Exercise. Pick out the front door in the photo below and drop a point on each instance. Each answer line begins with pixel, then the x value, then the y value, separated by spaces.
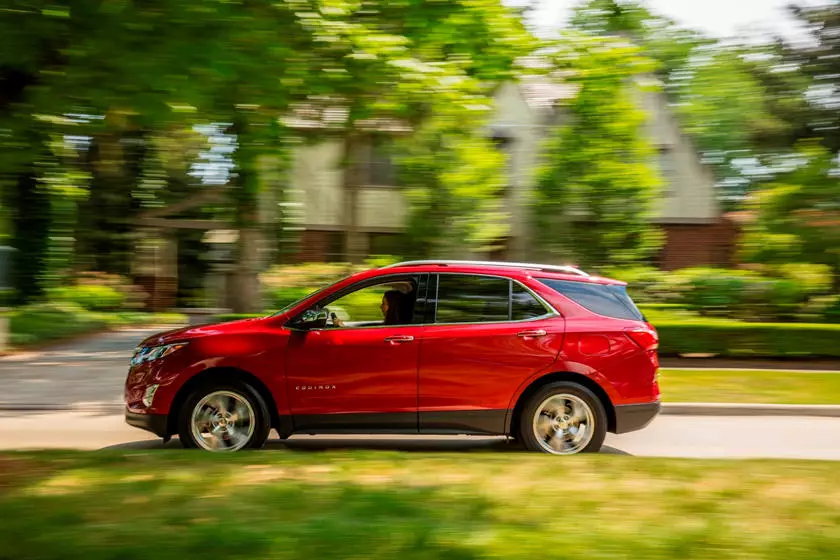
pixel 358 374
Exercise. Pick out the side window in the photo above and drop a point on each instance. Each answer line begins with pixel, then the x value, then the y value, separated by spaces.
pixel 607 300
pixel 387 303
pixel 523 305
pixel 472 299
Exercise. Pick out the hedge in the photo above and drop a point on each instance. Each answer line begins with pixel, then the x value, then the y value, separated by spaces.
pixel 749 340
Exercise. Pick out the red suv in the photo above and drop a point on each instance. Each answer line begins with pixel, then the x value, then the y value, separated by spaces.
pixel 547 355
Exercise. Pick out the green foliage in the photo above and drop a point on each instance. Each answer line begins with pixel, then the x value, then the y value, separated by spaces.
pixel 44 322
pixel 825 309
pixel 723 106
pixel 644 283
pixel 278 298
pixel 90 297
pixel 52 321
pixel 798 218
pixel 454 180
pixel 734 293
pixel 755 340
pixel 596 192
pixel 814 279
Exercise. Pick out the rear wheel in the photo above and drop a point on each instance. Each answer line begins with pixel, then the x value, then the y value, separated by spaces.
pixel 563 418
pixel 223 418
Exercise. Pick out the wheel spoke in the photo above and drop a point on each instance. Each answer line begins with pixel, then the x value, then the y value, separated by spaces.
pixel 222 421
pixel 563 424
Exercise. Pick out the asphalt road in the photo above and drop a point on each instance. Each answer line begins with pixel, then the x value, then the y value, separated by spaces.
pixel 667 436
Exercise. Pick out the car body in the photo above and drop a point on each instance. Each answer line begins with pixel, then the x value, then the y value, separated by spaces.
pixel 534 352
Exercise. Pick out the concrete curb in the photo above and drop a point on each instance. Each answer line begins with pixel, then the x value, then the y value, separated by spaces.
pixel 671 409
pixel 740 409
pixel 92 408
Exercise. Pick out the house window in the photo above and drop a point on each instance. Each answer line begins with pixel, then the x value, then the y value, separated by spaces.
pixel 504 143
pixel 667 170
pixel 334 249
pixel 380 166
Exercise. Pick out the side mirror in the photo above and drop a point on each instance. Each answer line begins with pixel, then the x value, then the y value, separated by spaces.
pixel 311 319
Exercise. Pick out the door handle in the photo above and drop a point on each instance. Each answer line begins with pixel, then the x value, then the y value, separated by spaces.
pixel 532 333
pixel 399 339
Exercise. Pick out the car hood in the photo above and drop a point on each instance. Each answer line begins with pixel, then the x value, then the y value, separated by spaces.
pixel 197 331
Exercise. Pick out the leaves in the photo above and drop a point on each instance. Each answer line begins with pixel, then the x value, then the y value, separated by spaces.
pixel 597 188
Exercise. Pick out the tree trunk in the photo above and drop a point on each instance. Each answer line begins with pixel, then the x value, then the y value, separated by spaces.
pixel 244 290
pixel 30 235
pixel 355 241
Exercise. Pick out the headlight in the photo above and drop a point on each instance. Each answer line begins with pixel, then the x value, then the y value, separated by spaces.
pixel 152 353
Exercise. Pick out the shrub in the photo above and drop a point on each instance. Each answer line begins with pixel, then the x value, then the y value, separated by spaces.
pixel 707 290
pixel 740 339
pixel 92 297
pixel 306 275
pixel 812 279
pixel 279 298
pixel 739 294
pixel 824 309
pixel 644 283
pixel 50 321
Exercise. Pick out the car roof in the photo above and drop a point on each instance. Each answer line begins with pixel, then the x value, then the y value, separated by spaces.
pixel 503 268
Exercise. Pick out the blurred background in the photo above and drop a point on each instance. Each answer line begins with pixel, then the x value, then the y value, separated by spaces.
pixel 183 161
pixel 169 159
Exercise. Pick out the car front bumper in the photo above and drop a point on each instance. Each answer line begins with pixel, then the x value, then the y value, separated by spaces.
pixel 155 423
pixel 632 417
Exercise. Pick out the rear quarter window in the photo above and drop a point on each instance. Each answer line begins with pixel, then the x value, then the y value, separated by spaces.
pixel 608 300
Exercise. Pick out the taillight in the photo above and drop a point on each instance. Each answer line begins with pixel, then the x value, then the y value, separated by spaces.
pixel 645 337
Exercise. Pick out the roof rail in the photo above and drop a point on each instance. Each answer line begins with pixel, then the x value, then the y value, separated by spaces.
pixel 533 266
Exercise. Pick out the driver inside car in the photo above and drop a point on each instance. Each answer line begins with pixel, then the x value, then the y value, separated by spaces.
pixel 392 307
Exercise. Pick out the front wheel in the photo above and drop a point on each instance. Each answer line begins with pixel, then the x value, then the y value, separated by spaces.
pixel 224 417
pixel 563 418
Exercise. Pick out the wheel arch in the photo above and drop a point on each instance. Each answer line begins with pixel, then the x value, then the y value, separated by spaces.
pixel 221 375
pixel 513 418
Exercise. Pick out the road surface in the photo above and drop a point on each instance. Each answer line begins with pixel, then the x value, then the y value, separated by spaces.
pixel 90 371
pixel 667 436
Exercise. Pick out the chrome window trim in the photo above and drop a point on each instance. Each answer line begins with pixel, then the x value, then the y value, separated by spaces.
pixel 550 311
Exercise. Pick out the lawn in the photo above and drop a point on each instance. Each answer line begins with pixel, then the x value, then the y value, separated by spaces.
pixel 384 505
pixel 760 386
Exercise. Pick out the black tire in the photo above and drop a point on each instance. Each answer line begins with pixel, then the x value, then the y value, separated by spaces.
pixel 262 425
pixel 598 431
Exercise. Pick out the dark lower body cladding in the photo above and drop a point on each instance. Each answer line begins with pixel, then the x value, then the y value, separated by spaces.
pixel 155 423
pixel 632 417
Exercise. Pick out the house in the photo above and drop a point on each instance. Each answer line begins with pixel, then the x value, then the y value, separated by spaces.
pixel 688 212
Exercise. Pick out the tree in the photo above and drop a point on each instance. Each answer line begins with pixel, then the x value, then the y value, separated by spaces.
pixel 596 190
pixel 819 60
pixel 797 218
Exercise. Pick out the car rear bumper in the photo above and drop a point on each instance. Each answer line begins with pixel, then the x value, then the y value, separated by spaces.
pixel 632 417
pixel 155 423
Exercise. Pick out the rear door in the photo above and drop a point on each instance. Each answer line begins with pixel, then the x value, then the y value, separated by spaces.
pixel 484 337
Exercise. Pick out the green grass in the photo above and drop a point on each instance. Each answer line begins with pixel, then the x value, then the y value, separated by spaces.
pixel 385 505
pixel 760 386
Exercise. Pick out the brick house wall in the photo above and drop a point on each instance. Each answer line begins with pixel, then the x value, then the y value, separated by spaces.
pixel 687 245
